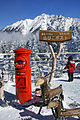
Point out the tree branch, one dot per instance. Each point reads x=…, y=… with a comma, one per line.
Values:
x=59, y=51
x=51, y=50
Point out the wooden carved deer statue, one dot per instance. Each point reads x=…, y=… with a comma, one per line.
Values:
x=61, y=113
x=47, y=93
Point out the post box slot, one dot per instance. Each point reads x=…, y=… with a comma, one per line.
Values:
x=20, y=62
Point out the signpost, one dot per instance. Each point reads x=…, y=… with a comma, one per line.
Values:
x=55, y=36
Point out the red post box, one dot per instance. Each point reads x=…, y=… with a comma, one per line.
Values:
x=23, y=74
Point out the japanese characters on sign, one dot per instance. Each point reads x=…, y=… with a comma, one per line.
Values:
x=55, y=36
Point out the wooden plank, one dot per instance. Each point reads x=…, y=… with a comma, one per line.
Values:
x=7, y=53
x=70, y=112
x=55, y=36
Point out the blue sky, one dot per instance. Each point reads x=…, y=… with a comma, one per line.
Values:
x=12, y=11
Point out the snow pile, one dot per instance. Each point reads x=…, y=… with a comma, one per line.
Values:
x=71, y=91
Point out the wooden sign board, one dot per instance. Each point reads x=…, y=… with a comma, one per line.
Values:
x=55, y=36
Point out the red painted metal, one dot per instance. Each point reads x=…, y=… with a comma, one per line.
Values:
x=23, y=74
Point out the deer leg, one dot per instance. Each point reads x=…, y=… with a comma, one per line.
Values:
x=63, y=118
x=53, y=112
x=5, y=101
x=40, y=109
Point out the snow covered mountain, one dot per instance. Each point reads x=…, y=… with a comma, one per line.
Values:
x=46, y=22
x=20, y=26
x=30, y=28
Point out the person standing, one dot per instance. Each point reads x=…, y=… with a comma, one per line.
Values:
x=70, y=66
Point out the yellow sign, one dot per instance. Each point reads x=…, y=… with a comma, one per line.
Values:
x=55, y=36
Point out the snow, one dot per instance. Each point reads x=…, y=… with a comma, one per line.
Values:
x=26, y=33
x=68, y=23
x=71, y=91
x=44, y=22
x=23, y=25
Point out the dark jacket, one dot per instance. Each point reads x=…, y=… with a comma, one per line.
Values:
x=70, y=66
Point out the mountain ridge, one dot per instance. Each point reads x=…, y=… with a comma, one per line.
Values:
x=42, y=22
x=28, y=30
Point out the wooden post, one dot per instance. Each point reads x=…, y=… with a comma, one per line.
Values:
x=54, y=60
x=54, y=36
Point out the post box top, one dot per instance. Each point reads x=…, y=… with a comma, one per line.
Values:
x=22, y=50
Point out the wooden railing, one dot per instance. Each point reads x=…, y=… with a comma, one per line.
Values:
x=39, y=62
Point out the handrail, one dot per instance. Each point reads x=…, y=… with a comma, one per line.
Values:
x=42, y=53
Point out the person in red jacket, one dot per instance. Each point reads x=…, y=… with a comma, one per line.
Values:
x=70, y=66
